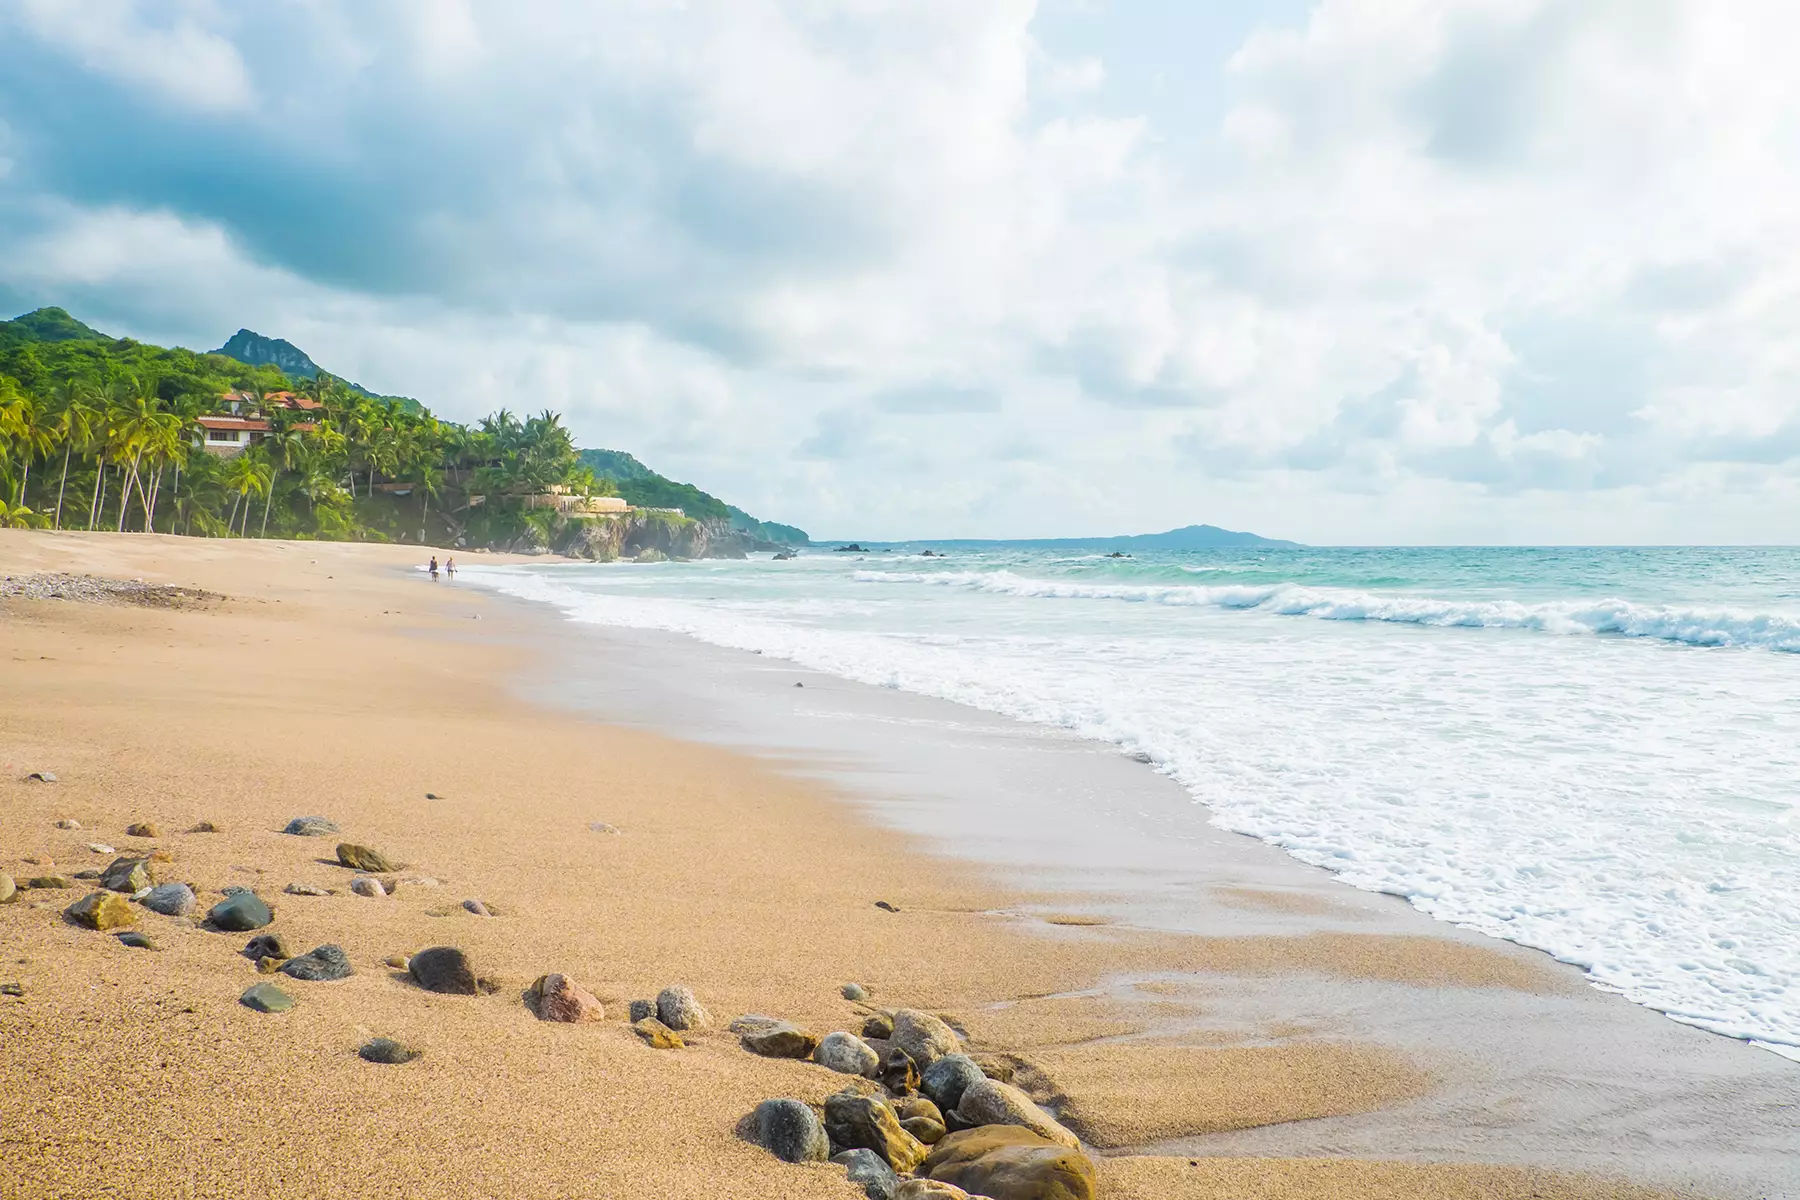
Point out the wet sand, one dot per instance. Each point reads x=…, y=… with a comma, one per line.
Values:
x=335, y=680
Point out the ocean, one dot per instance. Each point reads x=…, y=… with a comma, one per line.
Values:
x=1594, y=752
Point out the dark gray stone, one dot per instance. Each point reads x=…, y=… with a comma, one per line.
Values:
x=267, y=945
x=171, y=900
x=791, y=1131
x=869, y=1171
x=136, y=940
x=443, y=969
x=319, y=965
x=240, y=913
x=386, y=1050
x=945, y=1080
x=641, y=1010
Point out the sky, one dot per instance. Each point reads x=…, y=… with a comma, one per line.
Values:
x=1347, y=271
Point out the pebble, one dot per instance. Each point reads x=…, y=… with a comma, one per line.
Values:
x=102, y=911
x=240, y=913
x=603, y=827
x=102, y=848
x=945, y=1080
x=205, y=827
x=87, y=875
x=68, y=823
x=171, y=899
x=781, y=1040
x=366, y=885
x=321, y=964
x=925, y=1037
x=660, y=1036
x=267, y=945
x=847, y=1054
x=311, y=827
x=642, y=1010
x=364, y=858
x=866, y=1169
x=41, y=777
x=443, y=969
x=8, y=889
x=990, y=1102
x=12, y=989
x=677, y=1008
x=306, y=889
x=267, y=998
x=476, y=907
x=234, y=889
x=136, y=940
x=143, y=829
x=791, y=1131
x=127, y=875
x=433, y=796
x=854, y=991
x=560, y=998
x=386, y=1050
x=885, y=906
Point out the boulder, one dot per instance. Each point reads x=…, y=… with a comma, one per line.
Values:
x=385, y=1050
x=854, y=991
x=658, y=1035
x=928, y=1189
x=677, y=1008
x=559, y=998
x=319, y=965
x=101, y=910
x=267, y=945
x=443, y=969
x=171, y=899
x=641, y=1009
x=924, y=1037
x=878, y=1025
x=240, y=913
x=991, y=1102
x=899, y=1074
x=867, y=1170
x=311, y=827
x=854, y=1121
x=790, y=1131
x=364, y=858
x=945, y=1080
x=781, y=1040
x=8, y=889
x=128, y=875
x=1006, y=1162
x=143, y=829
x=267, y=998
x=847, y=1054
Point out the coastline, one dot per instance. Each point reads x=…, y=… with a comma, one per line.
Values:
x=329, y=683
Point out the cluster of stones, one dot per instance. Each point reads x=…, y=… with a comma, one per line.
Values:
x=921, y=1121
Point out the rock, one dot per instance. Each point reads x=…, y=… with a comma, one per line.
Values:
x=385, y=1050
x=41, y=777
x=398, y=961
x=143, y=829
x=305, y=889
x=311, y=827
x=854, y=991
x=433, y=796
x=560, y=998
x=1009, y=1163
x=102, y=911
x=267, y=998
x=917, y=1106
x=659, y=1036
x=945, y=1080
x=12, y=989
x=928, y=1130
x=677, y=1008
x=268, y=964
x=172, y=900
x=866, y=1169
x=928, y=1189
x=752, y=1023
x=443, y=969
x=476, y=907
x=994, y=1067
x=54, y=883
x=603, y=827
x=642, y=1009
x=781, y=1040
x=990, y=1102
x=205, y=827
x=867, y=1122
x=240, y=913
x=364, y=858
x=364, y=885
x=321, y=964
x=899, y=1073
x=267, y=945
x=68, y=823
x=925, y=1037
x=87, y=875
x=234, y=889
x=878, y=1025
x=127, y=875
x=8, y=889
x=847, y=1054
x=790, y=1131
x=101, y=848
x=415, y=881
x=884, y=906
x=136, y=940
x=163, y=856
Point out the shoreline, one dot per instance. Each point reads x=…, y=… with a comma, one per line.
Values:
x=748, y=878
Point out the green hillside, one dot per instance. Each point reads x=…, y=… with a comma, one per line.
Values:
x=641, y=486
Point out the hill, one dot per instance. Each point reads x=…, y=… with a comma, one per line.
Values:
x=641, y=486
x=254, y=350
x=47, y=325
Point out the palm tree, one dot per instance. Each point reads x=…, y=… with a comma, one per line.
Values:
x=246, y=476
x=281, y=444
x=76, y=421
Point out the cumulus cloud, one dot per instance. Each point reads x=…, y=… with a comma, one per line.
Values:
x=1437, y=269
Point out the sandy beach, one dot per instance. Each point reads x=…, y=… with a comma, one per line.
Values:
x=336, y=680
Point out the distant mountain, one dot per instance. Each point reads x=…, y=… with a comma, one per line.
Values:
x=255, y=350
x=1189, y=537
x=644, y=488
x=47, y=325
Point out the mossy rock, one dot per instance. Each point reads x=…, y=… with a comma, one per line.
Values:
x=102, y=911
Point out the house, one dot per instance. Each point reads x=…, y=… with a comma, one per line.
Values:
x=244, y=403
x=564, y=501
x=228, y=435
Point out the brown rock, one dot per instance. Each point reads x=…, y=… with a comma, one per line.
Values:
x=925, y=1037
x=878, y=1025
x=928, y=1189
x=1006, y=1162
x=8, y=889
x=205, y=827
x=990, y=1102
x=921, y=1118
x=899, y=1073
x=143, y=829
x=364, y=858
x=127, y=874
x=928, y=1131
x=443, y=969
x=857, y=1122
x=659, y=1036
x=55, y=883
x=101, y=910
x=560, y=998
x=780, y=1040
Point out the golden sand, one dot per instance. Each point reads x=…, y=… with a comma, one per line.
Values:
x=334, y=682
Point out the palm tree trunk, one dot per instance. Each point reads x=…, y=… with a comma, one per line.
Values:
x=99, y=492
x=64, y=485
x=268, y=499
x=26, y=477
x=232, y=515
x=150, y=513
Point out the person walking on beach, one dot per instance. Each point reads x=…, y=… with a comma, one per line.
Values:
x=433, y=567
x=450, y=568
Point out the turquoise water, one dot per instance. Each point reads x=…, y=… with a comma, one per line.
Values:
x=1591, y=751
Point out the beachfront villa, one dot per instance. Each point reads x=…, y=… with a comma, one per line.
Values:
x=241, y=425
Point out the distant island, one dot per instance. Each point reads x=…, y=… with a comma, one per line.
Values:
x=99, y=432
x=1188, y=537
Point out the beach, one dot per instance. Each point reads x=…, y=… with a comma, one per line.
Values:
x=1284, y=1051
